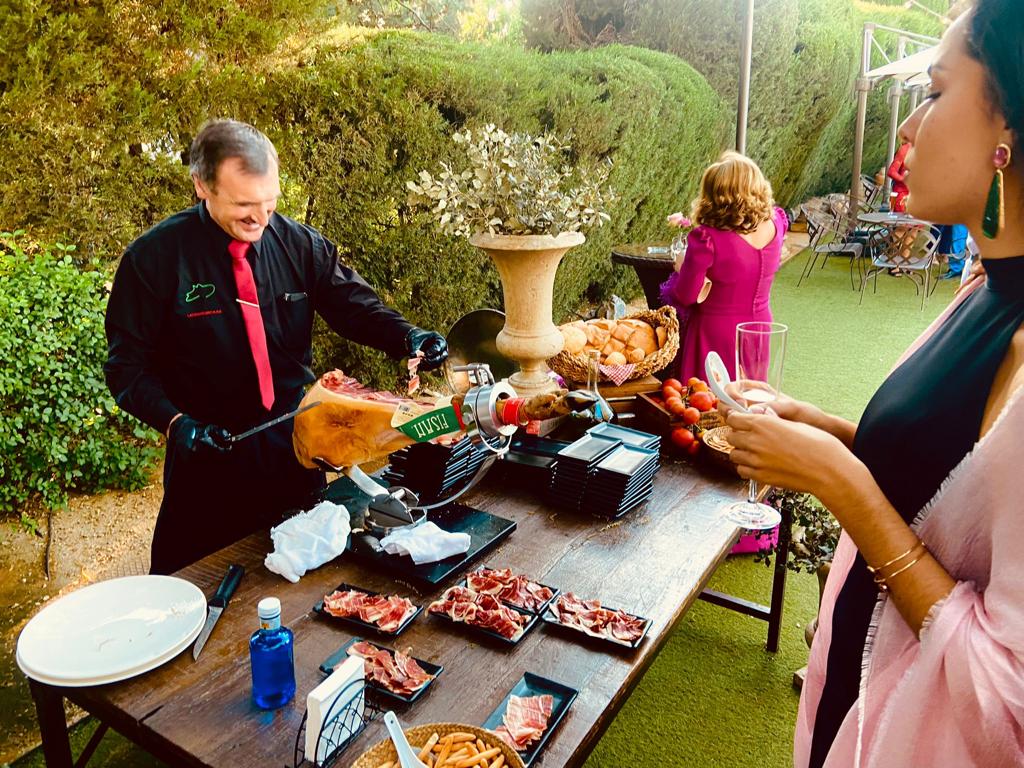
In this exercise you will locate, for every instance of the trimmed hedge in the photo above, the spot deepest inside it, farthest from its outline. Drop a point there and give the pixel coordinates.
(805, 57)
(98, 160)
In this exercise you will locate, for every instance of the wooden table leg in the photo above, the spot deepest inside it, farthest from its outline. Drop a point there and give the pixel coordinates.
(52, 727)
(779, 581)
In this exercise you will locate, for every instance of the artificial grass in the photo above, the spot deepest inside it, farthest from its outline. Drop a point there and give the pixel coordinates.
(714, 696)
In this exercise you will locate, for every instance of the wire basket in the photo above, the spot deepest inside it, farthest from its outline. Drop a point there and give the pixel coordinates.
(341, 726)
(574, 367)
(384, 751)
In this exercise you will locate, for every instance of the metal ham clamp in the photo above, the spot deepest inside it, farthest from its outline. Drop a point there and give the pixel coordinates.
(491, 413)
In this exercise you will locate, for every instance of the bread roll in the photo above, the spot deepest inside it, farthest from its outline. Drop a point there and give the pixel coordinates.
(623, 331)
(615, 358)
(596, 337)
(645, 339)
(613, 345)
(635, 355)
(575, 339)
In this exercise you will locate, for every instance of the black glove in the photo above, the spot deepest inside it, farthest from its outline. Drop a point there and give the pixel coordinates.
(431, 344)
(195, 437)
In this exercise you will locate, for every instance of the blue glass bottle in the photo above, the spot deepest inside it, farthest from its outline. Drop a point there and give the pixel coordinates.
(272, 656)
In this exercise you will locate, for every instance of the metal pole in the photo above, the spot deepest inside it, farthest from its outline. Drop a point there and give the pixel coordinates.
(744, 96)
(863, 89)
(895, 94)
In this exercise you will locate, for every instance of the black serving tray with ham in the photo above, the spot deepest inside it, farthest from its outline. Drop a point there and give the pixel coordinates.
(592, 611)
(378, 687)
(529, 620)
(368, 626)
(538, 609)
(529, 687)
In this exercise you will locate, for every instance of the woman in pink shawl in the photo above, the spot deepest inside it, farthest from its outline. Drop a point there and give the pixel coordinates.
(919, 655)
(738, 247)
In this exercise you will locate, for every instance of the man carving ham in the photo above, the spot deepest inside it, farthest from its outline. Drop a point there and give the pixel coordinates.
(209, 327)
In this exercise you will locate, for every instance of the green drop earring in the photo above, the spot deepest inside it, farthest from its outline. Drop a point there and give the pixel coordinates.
(995, 210)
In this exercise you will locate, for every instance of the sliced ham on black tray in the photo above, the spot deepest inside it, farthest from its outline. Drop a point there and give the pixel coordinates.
(516, 589)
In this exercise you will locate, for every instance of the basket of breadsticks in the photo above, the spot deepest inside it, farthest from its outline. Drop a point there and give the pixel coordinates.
(445, 745)
(637, 345)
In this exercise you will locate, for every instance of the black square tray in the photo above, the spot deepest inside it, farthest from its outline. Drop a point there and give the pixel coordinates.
(551, 619)
(535, 685)
(533, 619)
(356, 622)
(543, 606)
(341, 654)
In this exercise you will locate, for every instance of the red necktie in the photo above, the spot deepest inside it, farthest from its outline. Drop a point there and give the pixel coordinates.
(253, 318)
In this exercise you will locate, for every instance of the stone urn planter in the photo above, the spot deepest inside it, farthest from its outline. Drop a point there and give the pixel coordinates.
(527, 265)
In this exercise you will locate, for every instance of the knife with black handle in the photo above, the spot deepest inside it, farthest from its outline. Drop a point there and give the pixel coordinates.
(217, 604)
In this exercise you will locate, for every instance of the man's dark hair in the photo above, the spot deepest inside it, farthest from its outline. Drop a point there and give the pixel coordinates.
(995, 38)
(219, 140)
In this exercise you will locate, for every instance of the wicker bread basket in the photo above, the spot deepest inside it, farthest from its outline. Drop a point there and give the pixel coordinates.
(573, 367)
(384, 751)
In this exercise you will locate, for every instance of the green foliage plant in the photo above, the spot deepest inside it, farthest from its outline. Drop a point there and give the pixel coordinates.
(512, 184)
(815, 531)
(60, 429)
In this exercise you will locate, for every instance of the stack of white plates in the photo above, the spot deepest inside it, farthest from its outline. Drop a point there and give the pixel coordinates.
(111, 630)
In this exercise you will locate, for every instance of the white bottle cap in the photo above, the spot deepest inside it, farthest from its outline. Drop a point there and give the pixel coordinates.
(269, 608)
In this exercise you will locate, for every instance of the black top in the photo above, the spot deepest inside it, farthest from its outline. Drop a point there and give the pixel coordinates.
(177, 341)
(917, 428)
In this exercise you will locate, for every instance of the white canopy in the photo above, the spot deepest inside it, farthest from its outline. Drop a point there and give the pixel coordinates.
(911, 67)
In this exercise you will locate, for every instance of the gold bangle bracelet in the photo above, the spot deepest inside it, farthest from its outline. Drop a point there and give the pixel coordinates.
(883, 581)
(896, 559)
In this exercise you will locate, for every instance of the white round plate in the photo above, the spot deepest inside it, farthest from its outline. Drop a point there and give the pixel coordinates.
(111, 630)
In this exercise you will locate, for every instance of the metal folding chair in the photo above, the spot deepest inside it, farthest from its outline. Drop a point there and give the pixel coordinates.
(906, 252)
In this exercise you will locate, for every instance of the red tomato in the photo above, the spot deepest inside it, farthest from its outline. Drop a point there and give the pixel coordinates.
(674, 383)
(693, 447)
(668, 392)
(702, 401)
(690, 415)
(682, 437)
(693, 381)
(675, 405)
(700, 386)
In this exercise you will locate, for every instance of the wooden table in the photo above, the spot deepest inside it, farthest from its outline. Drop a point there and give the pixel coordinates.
(654, 562)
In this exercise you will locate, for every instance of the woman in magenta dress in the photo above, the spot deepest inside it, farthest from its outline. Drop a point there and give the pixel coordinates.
(737, 245)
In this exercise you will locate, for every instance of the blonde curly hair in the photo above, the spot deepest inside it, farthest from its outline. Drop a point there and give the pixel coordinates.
(734, 195)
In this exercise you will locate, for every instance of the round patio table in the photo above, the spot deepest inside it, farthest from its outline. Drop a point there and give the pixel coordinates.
(892, 218)
(653, 264)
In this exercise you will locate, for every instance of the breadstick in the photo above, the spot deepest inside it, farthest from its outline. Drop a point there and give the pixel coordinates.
(428, 746)
(442, 756)
(480, 745)
(499, 762)
(460, 736)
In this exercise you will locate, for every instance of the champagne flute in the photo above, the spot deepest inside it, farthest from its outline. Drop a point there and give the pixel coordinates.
(760, 352)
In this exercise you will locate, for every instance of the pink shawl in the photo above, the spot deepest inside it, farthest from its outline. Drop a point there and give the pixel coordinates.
(956, 696)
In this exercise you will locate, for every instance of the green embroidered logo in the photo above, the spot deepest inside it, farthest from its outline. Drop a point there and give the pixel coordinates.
(199, 291)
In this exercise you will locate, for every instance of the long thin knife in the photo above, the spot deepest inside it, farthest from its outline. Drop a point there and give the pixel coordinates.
(217, 605)
(272, 422)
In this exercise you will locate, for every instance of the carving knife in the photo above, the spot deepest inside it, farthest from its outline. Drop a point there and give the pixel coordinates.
(273, 422)
(217, 604)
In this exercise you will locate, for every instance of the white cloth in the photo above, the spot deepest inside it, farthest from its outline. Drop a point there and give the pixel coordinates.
(308, 540)
(425, 543)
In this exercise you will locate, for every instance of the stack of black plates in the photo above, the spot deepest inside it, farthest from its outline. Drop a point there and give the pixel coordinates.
(573, 465)
(434, 471)
(633, 437)
(621, 481)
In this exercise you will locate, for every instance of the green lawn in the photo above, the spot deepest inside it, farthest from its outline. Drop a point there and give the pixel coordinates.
(714, 697)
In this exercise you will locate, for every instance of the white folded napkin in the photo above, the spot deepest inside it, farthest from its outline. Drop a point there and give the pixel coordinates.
(308, 540)
(425, 543)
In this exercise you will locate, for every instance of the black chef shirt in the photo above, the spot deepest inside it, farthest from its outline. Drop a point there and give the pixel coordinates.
(177, 341)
